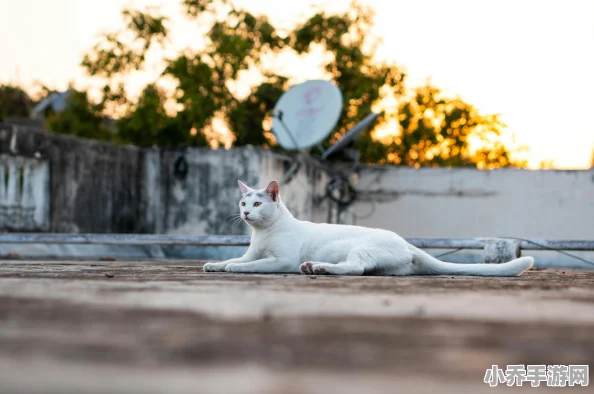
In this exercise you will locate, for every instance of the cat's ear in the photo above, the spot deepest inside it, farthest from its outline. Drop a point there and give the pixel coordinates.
(244, 188)
(272, 190)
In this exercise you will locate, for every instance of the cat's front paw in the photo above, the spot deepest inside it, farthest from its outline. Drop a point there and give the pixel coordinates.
(233, 267)
(213, 267)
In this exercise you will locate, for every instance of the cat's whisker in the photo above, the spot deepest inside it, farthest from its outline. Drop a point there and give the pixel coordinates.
(237, 221)
(232, 216)
(231, 222)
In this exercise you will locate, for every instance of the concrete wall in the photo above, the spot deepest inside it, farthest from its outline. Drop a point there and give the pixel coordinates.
(301, 192)
(24, 193)
(100, 187)
(204, 200)
(455, 203)
(94, 187)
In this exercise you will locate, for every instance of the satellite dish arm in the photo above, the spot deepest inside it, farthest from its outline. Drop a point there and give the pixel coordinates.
(350, 135)
(279, 115)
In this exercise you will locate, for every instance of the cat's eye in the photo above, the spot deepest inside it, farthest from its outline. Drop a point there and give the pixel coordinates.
(243, 203)
(257, 204)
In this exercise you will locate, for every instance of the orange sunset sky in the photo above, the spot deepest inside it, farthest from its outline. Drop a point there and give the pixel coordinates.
(530, 60)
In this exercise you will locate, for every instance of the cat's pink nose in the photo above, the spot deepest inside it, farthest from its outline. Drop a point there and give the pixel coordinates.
(246, 213)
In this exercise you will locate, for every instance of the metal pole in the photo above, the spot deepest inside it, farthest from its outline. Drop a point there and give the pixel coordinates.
(125, 239)
(242, 240)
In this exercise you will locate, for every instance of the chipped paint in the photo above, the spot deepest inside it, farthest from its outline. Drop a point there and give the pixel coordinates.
(24, 193)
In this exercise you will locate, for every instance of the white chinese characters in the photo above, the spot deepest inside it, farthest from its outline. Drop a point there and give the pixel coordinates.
(551, 375)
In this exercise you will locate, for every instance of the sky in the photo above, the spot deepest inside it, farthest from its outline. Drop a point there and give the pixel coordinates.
(531, 61)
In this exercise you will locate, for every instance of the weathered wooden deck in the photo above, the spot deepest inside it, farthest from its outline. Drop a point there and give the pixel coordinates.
(167, 327)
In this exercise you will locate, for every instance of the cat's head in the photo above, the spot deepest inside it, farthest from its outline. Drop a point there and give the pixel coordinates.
(259, 208)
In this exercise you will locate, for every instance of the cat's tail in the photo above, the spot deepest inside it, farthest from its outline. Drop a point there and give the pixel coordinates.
(425, 264)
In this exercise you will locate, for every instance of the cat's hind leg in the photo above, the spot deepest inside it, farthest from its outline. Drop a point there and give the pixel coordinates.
(359, 261)
(342, 268)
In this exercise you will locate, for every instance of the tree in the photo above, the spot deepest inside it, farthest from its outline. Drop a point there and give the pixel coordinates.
(238, 41)
(247, 117)
(113, 55)
(546, 164)
(80, 118)
(14, 102)
(435, 130)
(148, 124)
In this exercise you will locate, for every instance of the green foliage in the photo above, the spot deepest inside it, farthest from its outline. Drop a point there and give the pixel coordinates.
(246, 117)
(14, 102)
(80, 118)
(113, 55)
(237, 42)
(201, 91)
(435, 130)
(195, 8)
(148, 124)
(146, 27)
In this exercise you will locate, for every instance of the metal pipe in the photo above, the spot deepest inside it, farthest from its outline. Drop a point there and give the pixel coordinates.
(124, 239)
(242, 240)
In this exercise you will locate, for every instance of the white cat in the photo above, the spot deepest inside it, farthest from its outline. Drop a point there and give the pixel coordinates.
(282, 244)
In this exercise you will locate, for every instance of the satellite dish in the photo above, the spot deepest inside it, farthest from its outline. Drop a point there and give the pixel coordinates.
(306, 114)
